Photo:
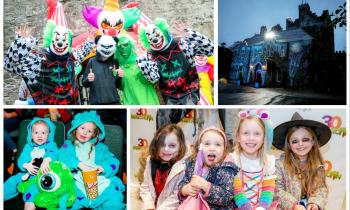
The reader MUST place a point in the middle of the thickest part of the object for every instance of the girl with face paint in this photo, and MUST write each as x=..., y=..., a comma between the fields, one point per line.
x=136, y=89
x=164, y=169
x=301, y=180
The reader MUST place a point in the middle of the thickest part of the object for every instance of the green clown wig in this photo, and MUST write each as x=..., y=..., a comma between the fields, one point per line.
x=124, y=38
x=48, y=35
x=163, y=27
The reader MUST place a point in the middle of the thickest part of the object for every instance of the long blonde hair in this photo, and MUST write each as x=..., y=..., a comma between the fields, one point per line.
x=263, y=149
x=311, y=178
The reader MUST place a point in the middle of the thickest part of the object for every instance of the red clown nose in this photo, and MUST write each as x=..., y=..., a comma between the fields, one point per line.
x=112, y=32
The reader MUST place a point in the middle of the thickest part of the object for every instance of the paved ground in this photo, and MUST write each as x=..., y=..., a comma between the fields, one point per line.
x=232, y=94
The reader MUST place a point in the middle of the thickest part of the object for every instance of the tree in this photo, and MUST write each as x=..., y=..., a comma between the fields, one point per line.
x=339, y=16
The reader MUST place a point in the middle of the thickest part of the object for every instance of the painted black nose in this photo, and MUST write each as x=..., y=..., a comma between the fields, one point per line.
x=59, y=44
x=155, y=40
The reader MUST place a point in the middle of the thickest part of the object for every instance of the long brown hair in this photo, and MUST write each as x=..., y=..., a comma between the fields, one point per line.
x=311, y=178
x=75, y=139
x=264, y=147
x=159, y=138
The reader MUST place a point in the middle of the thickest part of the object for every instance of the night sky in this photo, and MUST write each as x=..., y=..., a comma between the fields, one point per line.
x=241, y=19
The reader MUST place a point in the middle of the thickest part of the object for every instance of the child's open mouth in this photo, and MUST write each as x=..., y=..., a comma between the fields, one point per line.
x=211, y=157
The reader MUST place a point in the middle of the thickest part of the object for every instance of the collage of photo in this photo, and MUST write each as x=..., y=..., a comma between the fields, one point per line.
x=175, y=105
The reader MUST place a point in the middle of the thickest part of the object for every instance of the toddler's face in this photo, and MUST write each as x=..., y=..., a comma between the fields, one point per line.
x=301, y=142
x=85, y=132
x=40, y=133
x=213, y=146
x=251, y=137
x=170, y=148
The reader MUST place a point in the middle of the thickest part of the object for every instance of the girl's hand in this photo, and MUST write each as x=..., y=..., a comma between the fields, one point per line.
x=83, y=167
x=312, y=206
x=99, y=169
x=189, y=190
x=199, y=182
x=299, y=207
x=45, y=165
x=33, y=170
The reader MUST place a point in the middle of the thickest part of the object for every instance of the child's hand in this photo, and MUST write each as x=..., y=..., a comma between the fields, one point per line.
x=189, y=190
x=299, y=207
x=199, y=182
x=99, y=169
x=181, y=28
x=120, y=72
x=33, y=170
x=312, y=206
x=45, y=165
x=83, y=167
x=91, y=76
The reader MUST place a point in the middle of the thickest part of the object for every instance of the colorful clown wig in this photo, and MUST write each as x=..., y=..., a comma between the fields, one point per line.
x=124, y=38
x=163, y=27
x=48, y=35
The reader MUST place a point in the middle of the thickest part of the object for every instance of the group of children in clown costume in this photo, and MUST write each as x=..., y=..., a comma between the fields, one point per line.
x=248, y=178
x=115, y=74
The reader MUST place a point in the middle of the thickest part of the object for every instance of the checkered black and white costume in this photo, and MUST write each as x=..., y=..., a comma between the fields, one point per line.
x=152, y=67
x=24, y=59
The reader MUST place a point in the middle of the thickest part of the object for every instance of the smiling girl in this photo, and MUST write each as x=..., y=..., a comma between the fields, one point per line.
x=85, y=152
x=216, y=182
x=255, y=183
x=164, y=169
x=301, y=180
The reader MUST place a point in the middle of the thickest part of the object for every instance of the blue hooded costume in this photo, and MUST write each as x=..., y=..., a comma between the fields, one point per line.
x=30, y=151
x=110, y=187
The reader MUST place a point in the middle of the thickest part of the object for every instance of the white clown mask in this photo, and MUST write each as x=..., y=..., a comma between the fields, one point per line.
x=156, y=38
x=106, y=46
x=60, y=43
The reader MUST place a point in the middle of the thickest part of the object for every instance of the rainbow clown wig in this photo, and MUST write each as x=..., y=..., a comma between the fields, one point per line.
x=156, y=35
x=111, y=20
x=57, y=38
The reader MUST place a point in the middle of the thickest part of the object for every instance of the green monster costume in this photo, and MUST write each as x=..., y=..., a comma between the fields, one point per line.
x=56, y=188
x=136, y=89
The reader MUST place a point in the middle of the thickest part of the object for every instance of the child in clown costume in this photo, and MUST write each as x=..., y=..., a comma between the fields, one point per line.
x=205, y=72
x=136, y=89
x=84, y=151
x=50, y=73
x=40, y=147
x=171, y=61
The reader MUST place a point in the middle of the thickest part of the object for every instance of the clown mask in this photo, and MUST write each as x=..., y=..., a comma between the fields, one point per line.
x=110, y=22
x=106, y=45
x=59, y=44
x=156, y=38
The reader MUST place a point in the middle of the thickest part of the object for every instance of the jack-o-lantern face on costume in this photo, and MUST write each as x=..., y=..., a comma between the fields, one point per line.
x=156, y=38
x=110, y=22
x=60, y=41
